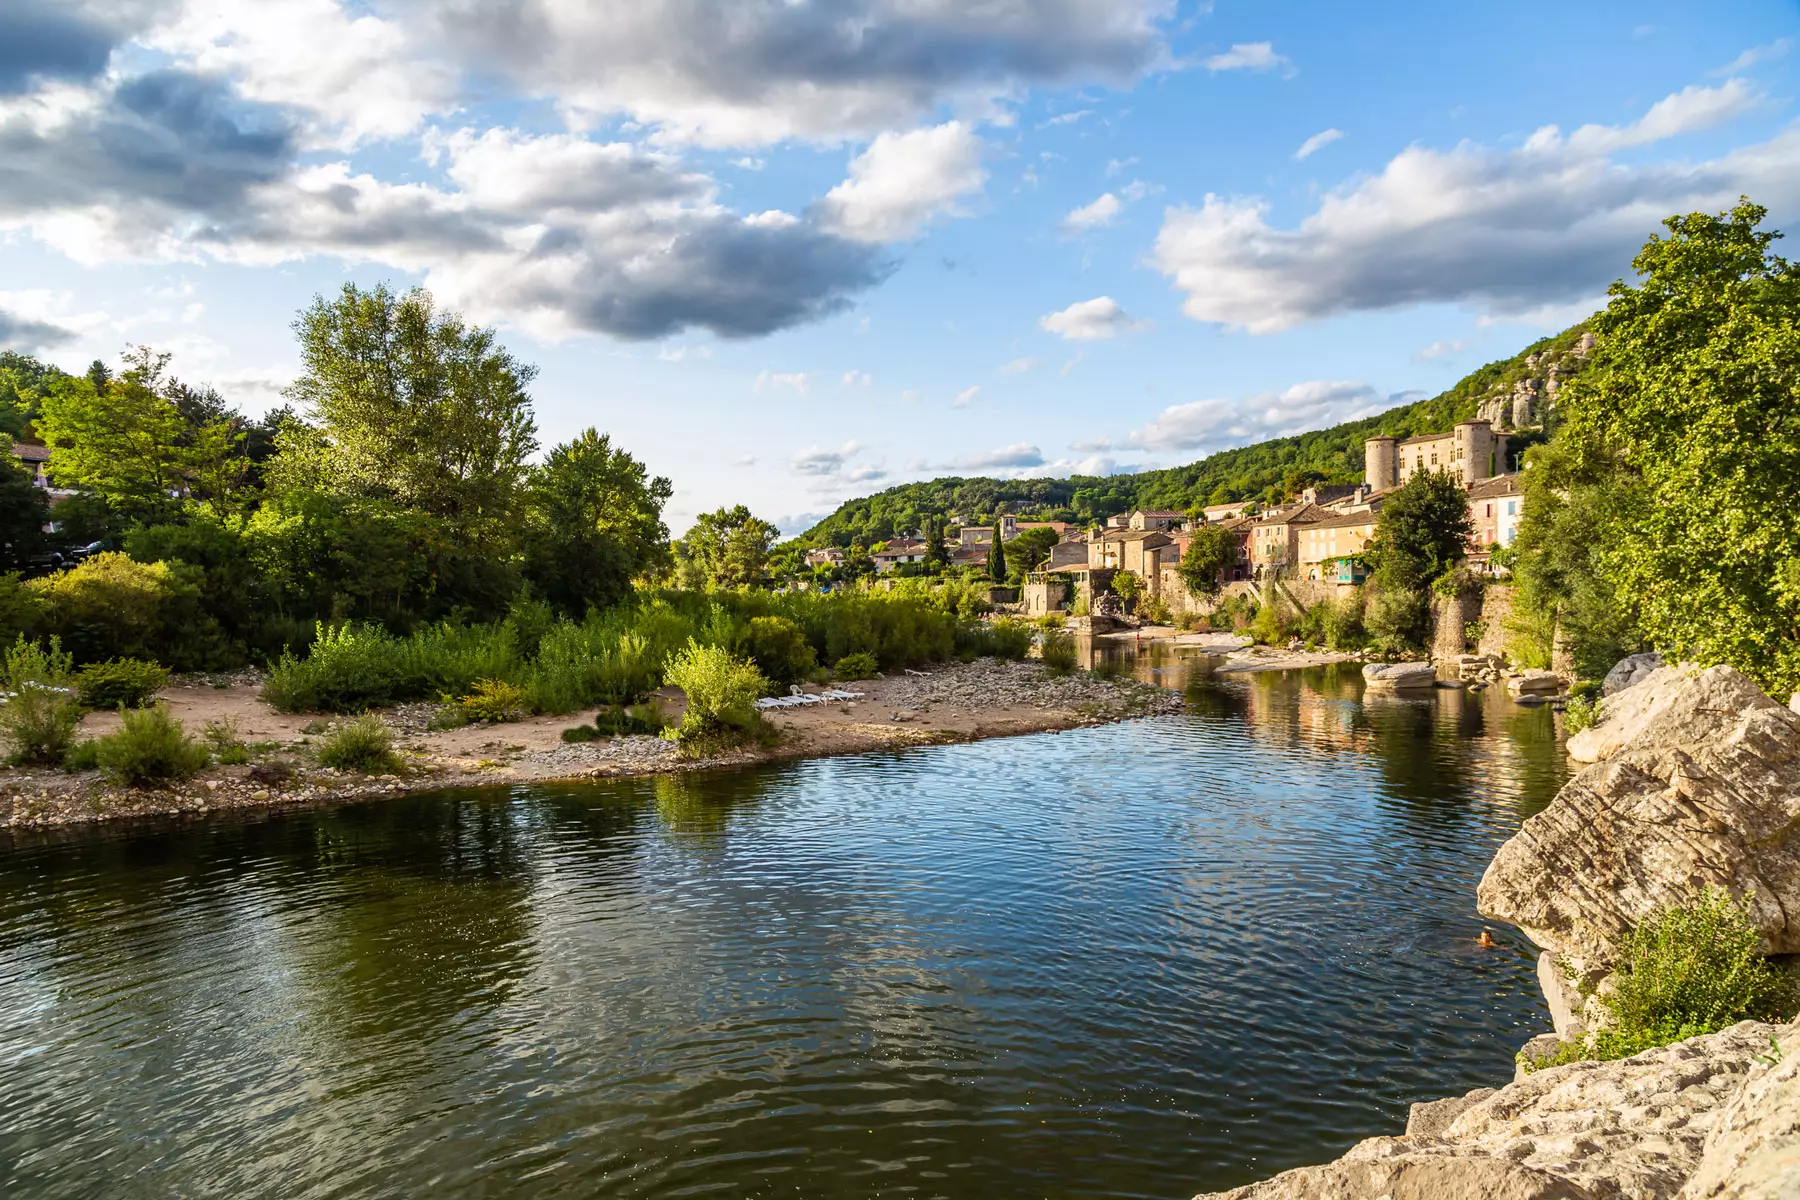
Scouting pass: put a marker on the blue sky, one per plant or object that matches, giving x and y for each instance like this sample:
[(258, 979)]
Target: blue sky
[(789, 253)]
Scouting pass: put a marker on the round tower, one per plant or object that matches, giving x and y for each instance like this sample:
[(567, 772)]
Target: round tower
[(1474, 450), (1381, 463)]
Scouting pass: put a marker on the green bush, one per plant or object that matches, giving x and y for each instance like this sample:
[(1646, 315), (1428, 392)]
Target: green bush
[(1580, 713), (1058, 652), (856, 666), (225, 741), (110, 606), (721, 691), (1342, 621), (365, 744), (120, 683), (1010, 638), (1398, 619), (82, 756), (1274, 623), (494, 701), (779, 648), (149, 748), (1687, 970), (39, 708)]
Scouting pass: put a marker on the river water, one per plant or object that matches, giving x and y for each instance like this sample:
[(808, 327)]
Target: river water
[(1137, 960)]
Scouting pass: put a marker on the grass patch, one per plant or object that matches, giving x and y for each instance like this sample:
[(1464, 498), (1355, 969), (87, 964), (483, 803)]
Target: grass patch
[(365, 744), (223, 738), (149, 749), (494, 702), (1058, 652)]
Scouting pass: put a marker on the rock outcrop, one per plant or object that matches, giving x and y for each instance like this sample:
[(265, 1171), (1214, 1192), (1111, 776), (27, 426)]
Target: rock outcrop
[(1702, 788), (1629, 672), (1400, 675), (1711, 1118)]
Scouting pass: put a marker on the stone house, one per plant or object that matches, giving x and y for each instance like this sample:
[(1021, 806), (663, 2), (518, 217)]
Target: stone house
[(1142, 520), (1127, 550), (1496, 505), (1275, 537), (900, 550), (824, 556), (1067, 553), (1224, 512), (1471, 452), (1326, 547)]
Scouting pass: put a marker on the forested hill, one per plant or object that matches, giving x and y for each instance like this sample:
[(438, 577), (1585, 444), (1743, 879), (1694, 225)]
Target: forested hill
[(1267, 471)]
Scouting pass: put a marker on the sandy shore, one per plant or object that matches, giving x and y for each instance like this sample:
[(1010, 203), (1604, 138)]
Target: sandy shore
[(957, 702)]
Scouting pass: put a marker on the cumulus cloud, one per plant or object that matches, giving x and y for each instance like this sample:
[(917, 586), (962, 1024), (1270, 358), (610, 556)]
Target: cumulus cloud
[(723, 73), (857, 379), (27, 335), (1017, 455), (1091, 320), (965, 397), (1217, 424), (1317, 142), (1440, 349), (1092, 216), (815, 460), (1098, 445), (770, 380), (42, 40), (903, 181), (1506, 230), (1250, 56)]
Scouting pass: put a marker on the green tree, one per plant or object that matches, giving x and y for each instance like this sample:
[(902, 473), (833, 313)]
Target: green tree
[(1031, 549), (1692, 405), (728, 548), (407, 403), (996, 563), (1423, 531), (23, 511), (127, 443), (596, 523), (936, 557), (1211, 553)]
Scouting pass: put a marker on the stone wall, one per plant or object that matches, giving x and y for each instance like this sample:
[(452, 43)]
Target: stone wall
[(1451, 617), (1496, 610)]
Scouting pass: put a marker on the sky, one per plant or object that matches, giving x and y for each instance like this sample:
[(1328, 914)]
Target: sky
[(789, 252)]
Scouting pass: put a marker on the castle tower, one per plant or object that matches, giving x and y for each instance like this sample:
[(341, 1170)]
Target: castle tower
[(1381, 463), (1475, 450)]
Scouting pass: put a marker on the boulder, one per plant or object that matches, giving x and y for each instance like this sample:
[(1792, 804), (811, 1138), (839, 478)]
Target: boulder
[(1537, 682), (1432, 1117), (1752, 1151), (1642, 1127), (1561, 995), (1704, 790), (1629, 672), (1400, 675)]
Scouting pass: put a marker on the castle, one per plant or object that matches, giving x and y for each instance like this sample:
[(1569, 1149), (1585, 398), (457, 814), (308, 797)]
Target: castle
[(1471, 452)]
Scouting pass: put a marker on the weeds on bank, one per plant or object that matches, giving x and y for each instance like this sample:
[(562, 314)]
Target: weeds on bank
[(365, 744), (223, 738), (1058, 652), (120, 683), (721, 691), (1687, 970), (149, 748), (38, 704)]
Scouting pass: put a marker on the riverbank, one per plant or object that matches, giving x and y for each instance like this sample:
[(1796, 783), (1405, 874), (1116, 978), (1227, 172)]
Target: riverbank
[(955, 702)]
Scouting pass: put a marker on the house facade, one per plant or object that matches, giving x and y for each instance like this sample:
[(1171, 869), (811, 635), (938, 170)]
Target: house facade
[(1496, 506), (1472, 452), (1327, 547)]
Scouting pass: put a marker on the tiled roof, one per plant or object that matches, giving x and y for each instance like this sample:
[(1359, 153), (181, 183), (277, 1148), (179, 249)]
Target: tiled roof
[(1343, 520), (31, 452), (1498, 485)]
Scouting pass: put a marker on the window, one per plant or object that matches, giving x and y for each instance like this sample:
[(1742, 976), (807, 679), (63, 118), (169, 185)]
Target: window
[(1512, 508)]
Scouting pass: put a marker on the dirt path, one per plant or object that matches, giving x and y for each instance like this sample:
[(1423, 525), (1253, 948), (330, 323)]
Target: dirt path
[(957, 702)]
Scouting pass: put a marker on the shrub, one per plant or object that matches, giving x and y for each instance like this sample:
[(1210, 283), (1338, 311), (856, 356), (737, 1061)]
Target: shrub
[(1687, 970), (1398, 618), (38, 710), (1343, 622), (780, 649), (1274, 623), (1058, 652), (580, 733), (120, 683), (82, 756), (226, 743), (110, 606), (1011, 638), (149, 748), (351, 668), (1579, 714), (856, 666), (494, 701), (365, 744), (721, 692)]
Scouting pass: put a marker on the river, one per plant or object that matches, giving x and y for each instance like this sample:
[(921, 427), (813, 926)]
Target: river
[(1137, 960)]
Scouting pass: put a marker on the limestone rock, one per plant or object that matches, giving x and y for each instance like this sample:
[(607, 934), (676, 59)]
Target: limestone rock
[(1560, 993), (1587, 1131), (1539, 682), (1753, 1149), (1704, 790), (1432, 1117), (1400, 675), (1630, 671)]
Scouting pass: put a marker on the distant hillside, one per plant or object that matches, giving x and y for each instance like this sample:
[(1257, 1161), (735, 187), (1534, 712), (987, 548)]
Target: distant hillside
[(1267, 471)]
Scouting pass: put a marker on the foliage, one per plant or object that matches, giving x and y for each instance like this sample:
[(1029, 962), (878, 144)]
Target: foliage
[(38, 710), (1211, 553), (410, 405), (23, 511), (355, 667), (110, 606), (595, 524), (725, 549), (1579, 713), (494, 702), (1423, 531), (149, 748), (120, 683), (365, 744), (1006, 638), (225, 740), (1690, 406), (779, 648), (1127, 585), (1687, 970), (1058, 652), (861, 665), (996, 563), (83, 756), (1341, 621), (1275, 622), (1397, 618), (1031, 549), (721, 691)]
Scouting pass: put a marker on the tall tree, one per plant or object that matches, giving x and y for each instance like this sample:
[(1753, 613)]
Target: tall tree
[(996, 563), (1211, 552), (408, 403), (1692, 404), (728, 548), (596, 523), (1423, 531)]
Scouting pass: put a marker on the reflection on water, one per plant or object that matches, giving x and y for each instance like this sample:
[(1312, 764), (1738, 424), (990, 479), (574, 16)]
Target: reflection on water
[(1142, 960)]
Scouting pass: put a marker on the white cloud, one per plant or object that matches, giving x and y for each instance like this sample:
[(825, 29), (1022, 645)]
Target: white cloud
[(1093, 215), (817, 461), (1250, 56), (1068, 118), (1440, 349), (1779, 48), (748, 164), (1117, 166), (965, 397), (1216, 424), (1317, 142), (770, 380), (857, 379), (1016, 456), (1091, 320), (1098, 445), (1137, 189), (677, 354), (1017, 366), (904, 180), (1510, 231)]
